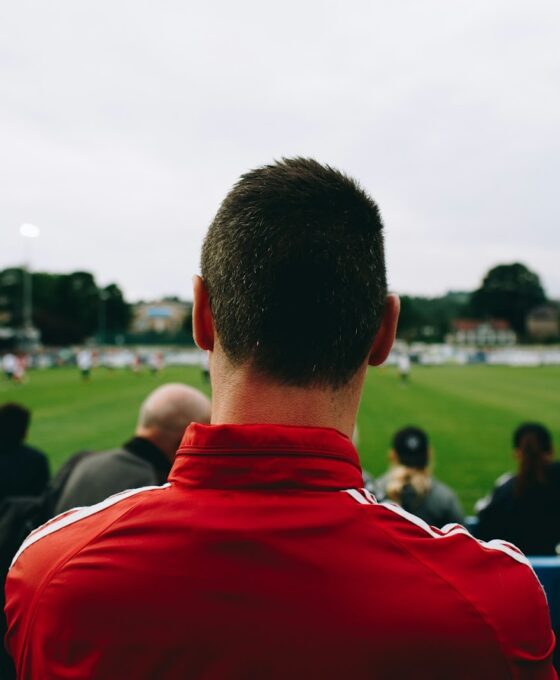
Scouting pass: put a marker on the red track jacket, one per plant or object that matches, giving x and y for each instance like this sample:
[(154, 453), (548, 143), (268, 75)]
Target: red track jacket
[(263, 558)]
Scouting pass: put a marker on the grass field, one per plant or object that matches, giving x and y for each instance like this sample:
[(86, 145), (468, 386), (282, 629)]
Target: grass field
[(469, 412)]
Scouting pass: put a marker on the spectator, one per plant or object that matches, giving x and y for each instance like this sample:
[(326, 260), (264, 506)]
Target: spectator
[(145, 459), (24, 471), (525, 508), (264, 557), (410, 483)]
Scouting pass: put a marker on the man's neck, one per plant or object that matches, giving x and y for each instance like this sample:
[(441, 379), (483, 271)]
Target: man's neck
[(240, 397)]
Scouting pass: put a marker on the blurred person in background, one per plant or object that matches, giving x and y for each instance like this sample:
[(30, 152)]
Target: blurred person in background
[(84, 359), (403, 362), (24, 470), (524, 508), (20, 369), (156, 362), (136, 363), (410, 483), (9, 362), (144, 460)]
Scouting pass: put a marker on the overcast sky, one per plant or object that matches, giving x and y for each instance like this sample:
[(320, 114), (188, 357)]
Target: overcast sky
[(124, 123)]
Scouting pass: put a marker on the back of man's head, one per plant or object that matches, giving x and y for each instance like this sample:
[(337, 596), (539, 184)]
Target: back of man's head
[(167, 411), (14, 422), (294, 268)]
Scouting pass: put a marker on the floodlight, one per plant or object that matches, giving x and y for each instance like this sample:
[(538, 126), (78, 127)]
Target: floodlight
[(29, 230)]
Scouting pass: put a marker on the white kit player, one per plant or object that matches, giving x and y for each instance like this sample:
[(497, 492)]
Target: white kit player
[(403, 363), (85, 361)]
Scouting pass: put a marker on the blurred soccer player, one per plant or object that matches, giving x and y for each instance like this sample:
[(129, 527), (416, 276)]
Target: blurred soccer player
[(85, 362), (9, 365), (403, 363)]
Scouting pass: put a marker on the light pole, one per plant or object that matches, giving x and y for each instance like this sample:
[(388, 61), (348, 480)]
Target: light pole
[(103, 295), (29, 232)]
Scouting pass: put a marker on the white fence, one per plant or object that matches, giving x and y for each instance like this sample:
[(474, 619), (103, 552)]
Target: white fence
[(437, 355)]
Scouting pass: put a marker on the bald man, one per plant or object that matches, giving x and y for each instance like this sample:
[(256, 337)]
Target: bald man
[(144, 460)]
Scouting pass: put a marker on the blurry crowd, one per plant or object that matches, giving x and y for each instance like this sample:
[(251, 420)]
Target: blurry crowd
[(523, 508), (144, 459)]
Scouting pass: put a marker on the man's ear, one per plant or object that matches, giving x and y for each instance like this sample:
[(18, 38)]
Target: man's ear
[(202, 320), (385, 335)]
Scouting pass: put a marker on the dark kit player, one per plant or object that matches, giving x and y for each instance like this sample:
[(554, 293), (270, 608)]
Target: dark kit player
[(262, 557)]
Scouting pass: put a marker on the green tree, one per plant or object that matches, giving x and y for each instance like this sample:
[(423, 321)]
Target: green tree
[(116, 312), (430, 319), (510, 292), (50, 316), (411, 318), (78, 299), (66, 307), (11, 296)]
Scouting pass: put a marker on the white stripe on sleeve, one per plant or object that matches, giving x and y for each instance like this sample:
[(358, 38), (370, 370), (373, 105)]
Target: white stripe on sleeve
[(445, 532), (77, 514)]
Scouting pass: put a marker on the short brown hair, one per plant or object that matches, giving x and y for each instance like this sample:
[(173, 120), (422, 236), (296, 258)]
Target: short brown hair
[(295, 271)]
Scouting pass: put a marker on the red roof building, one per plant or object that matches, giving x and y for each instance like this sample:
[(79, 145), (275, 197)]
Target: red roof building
[(491, 332)]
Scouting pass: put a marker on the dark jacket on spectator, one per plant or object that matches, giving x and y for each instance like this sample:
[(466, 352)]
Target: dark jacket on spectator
[(531, 521), (100, 475), (24, 471)]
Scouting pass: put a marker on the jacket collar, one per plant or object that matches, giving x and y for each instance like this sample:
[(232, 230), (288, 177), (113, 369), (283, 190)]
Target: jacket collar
[(145, 449), (266, 456)]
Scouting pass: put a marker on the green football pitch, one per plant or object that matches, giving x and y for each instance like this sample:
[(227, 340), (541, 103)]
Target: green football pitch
[(469, 413)]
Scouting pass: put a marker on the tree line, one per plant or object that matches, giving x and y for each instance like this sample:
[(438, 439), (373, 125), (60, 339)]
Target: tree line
[(67, 308), (508, 291)]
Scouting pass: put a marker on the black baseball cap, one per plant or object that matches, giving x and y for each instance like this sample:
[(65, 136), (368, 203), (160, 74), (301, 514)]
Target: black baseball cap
[(411, 446)]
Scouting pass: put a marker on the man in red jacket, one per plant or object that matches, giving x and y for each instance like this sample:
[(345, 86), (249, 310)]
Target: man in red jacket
[(263, 556)]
